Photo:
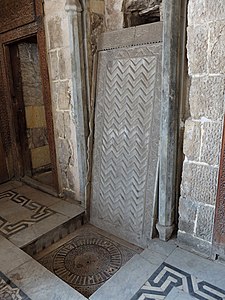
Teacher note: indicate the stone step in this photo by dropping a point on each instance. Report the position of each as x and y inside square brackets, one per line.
[33, 220]
[52, 236]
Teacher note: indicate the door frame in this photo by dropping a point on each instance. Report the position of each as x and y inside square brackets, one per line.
[218, 242]
[36, 28]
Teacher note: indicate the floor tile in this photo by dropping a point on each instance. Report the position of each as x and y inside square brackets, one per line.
[8, 290]
[200, 267]
[164, 248]
[177, 294]
[167, 277]
[67, 209]
[13, 212]
[37, 196]
[154, 258]
[38, 283]
[10, 256]
[18, 212]
[31, 233]
[10, 185]
[124, 284]
[87, 261]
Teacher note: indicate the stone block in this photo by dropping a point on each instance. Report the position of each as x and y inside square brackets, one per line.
[60, 126]
[187, 215]
[194, 244]
[211, 142]
[35, 116]
[67, 124]
[54, 65]
[64, 56]
[54, 95]
[216, 47]
[64, 153]
[30, 73]
[37, 137]
[205, 221]
[199, 183]
[114, 14]
[40, 157]
[64, 95]
[192, 140]
[197, 13]
[55, 32]
[97, 6]
[197, 46]
[52, 7]
[207, 97]
[215, 9]
[63, 125]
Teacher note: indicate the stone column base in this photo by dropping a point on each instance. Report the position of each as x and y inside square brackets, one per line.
[165, 232]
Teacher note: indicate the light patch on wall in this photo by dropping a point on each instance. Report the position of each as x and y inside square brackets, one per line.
[35, 116]
[40, 157]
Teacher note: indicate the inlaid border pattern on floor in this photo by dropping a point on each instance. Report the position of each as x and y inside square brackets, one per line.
[9, 291]
[167, 277]
[41, 212]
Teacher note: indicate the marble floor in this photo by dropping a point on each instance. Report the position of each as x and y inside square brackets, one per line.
[27, 214]
[87, 258]
[108, 268]
[163, 271]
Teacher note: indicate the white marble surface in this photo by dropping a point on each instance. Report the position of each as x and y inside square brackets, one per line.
[154, 258]
[40, 284]
[163, 248]
[36, 195]
[67, 209]
[10, 256]
[28, 235]
[177, 294]
[127, 281]
[200, 267]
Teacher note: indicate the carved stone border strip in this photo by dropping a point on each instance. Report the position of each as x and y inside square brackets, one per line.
[133, 36]
[40, 212]
[8, 290]
[168, 277]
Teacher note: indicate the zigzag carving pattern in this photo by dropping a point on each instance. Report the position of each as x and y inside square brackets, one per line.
[129, 94]
[167, 277]
[40, 212]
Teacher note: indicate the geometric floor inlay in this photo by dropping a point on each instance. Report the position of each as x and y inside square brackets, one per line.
[87, 261]
[167, 277]
[9, 291]
[39, 213]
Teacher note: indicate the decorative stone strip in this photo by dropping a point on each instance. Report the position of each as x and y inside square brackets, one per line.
[8, 290]
[40, 212]
[167, 277]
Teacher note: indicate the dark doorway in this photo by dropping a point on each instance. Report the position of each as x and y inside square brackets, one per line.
[3, 166]
[29, 113]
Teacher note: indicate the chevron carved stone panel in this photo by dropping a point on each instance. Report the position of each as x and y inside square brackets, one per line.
[126, 141]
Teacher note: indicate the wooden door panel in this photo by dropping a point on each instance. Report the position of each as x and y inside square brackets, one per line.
[3, 167]
[14, 13]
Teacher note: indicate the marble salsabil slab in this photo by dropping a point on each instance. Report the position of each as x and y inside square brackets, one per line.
[126, 140]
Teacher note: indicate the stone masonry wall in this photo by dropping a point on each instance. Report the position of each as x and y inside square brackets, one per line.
[203, 129]
[59, 60]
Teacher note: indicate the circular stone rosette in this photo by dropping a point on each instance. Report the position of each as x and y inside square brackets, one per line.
[87, 261]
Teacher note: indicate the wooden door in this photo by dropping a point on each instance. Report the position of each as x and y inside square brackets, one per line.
[3, 167]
